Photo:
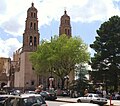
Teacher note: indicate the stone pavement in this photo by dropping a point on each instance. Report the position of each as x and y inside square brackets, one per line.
[74, 100]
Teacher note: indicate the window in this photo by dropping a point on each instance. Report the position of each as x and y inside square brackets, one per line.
[31, 14]
[34, 15]
[65, 21]
[66, 31]
[34, 26]
[90, 96]
[32, 82]
[33, 68]
[31, 25]
[30, 43]
[35, 43]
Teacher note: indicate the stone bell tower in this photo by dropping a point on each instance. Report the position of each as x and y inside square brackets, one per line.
[31, 34]
[26, 76]
[65, 26]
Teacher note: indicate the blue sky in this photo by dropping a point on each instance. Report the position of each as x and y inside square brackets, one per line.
[86, 18]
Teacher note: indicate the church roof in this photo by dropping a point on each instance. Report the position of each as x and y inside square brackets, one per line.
[32, 7]
[65, 15]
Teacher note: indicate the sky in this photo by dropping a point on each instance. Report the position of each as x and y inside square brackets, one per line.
[86, 17]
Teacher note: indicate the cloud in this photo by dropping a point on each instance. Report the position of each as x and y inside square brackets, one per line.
[48, 10]
[13, 15]
[8, 46]
[94, 10]
[11, 26]
[2, 7]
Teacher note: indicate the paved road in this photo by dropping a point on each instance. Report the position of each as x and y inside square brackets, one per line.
[72, 100]
[55, 103]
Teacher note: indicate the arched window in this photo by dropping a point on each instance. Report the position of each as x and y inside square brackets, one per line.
[34, 15]
[35, 43]
[31, 25]
[68, 22]
[66, 31]
[32, 82]
[65, 21]
[34, 26]
[31, 14]
[30, 43]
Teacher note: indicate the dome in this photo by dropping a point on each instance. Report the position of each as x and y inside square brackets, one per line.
[32, 8]
[65, 15]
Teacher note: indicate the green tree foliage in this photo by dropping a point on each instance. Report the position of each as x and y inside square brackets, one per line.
[82, 81]
[107, 48]
[60, 55]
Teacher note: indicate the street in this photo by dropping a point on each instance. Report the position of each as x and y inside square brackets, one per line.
[54, 103]
[64, 100]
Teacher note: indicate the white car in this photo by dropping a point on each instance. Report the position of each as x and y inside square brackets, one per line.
[92, 98]
[25, 100]
[3, 98]
[79, 104]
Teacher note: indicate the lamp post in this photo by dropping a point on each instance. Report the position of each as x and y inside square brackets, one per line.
[66, 81]
[51, 79]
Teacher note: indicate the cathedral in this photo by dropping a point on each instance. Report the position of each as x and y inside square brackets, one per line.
[24, 74]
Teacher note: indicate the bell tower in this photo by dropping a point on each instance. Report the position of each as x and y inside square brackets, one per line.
[31, 34]
[65, 26]
[26, 76]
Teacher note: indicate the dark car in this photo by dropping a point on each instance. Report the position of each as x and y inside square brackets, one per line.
[25, 100]
[65, 93]
[48, 95]
[15, 92]
[2, 93]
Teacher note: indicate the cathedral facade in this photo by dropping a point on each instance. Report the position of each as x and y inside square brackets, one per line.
[25, 76]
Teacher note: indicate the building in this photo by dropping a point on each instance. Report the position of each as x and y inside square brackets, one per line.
[21, 73]
[65, 26]
[4, 72]
[26, 76]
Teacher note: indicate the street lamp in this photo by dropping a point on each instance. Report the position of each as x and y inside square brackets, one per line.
[51, 79]
[67, 81]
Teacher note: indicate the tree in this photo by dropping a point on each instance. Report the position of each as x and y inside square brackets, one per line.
[107, 48]
[59, 56]
[82, 81]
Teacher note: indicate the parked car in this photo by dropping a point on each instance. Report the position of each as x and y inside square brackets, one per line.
[15, 92]
[30, 92]
[2, 93]
[25, 100]
[113, 97]
[65, 93]
[3, 98]
[79, 104]
[48, 95]
[92, 98]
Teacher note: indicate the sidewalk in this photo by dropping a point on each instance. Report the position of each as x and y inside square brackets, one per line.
[74, 100]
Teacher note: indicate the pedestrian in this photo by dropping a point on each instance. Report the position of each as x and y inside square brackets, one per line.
[104, 93]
